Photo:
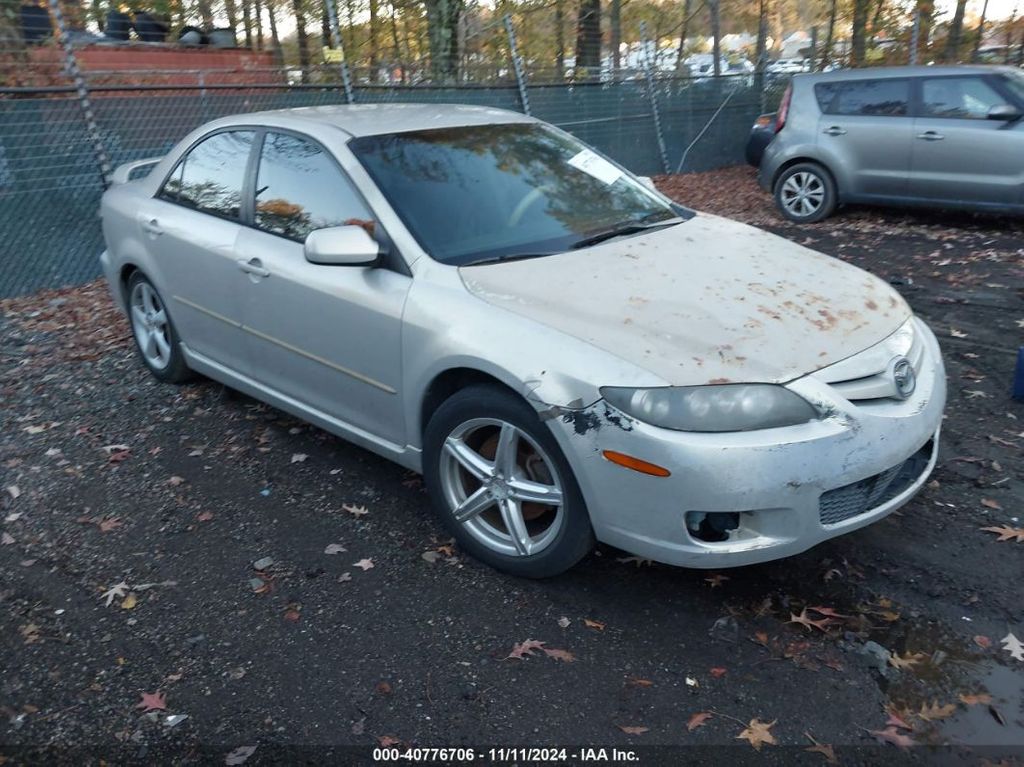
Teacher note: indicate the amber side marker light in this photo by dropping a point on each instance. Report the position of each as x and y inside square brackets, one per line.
[636, 464]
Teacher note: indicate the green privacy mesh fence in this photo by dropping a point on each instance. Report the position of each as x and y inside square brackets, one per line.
[50, 184]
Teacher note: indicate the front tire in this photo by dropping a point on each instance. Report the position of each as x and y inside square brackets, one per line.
[156, 340]
[501, 486]
[805, 193]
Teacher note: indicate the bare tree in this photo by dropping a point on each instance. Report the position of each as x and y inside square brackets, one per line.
[926, 19]
[975, 54]
[615, 27]
[302, 37]
[275, 40]
[761, 52]
[588, 34]
[259, 24]
[858, 36]
[715, 10]
[956, 30]
[443, 36]
[231, 11]
[560, 37]
[826, 54]
[247, 22]
[683, 30]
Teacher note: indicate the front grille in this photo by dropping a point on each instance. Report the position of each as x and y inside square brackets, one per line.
[858, 498]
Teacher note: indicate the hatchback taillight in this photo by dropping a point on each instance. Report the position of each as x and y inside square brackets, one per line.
[780, 120]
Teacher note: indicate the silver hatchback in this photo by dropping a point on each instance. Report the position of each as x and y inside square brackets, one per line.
[949, 137]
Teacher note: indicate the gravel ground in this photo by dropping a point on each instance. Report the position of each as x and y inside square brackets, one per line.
[135, 515]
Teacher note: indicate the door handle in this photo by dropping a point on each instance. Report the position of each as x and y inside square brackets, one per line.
[253, 266]
[835, 130]
[152, 227]
[930, 135]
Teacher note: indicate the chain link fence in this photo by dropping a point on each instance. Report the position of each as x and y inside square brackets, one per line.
[51, 179]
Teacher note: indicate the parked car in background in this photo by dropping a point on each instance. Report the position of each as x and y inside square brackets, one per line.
[761, 134]
[564, 353]
[949, 136]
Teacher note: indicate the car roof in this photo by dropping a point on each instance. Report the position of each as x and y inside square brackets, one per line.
[375, 119]
[908, 71]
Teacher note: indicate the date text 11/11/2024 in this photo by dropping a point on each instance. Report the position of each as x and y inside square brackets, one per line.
[385, 754]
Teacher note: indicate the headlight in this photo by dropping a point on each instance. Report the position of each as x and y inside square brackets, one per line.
[729, 407]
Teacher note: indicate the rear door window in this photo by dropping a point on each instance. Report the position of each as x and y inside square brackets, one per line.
[211, 175]
[873, 98]
[964, 98]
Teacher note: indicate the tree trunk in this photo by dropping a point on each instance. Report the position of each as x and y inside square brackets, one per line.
[981, 33]
[876, 20]
[761, 51]
[615, 27]
[683, 30]
[775, 26]
[275, 40]
[443, 37]
[373, 40]
[588, 35]
[858, 36]
[303, 38]
[396, 46]
[926, 11]
[231, 11]
[826, 56]
[560, 38]
[714, 8]
[259, 25]
[205, 13]
[247, 23]
[956, 29]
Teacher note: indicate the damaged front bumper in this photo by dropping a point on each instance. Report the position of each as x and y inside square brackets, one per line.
[777, 492]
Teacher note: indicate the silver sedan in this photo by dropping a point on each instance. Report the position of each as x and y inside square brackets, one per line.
[565, 354]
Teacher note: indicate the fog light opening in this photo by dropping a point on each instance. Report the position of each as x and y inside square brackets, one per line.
[712, 526]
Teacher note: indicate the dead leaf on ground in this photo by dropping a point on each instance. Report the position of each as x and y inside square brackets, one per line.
[907, 660]
[364, 564]
[805, 621]
[698, 720]
[239, 755]
[1006, 533]
[757, 733]
[591, 624]
[632, 730]
[635, 681]
[386, 741]
[355, 511]
[716, 580]
[563, 655]
[717, 672]
[524, 648]
[934, 712]
[152, 701]
[982, 641]
[820, 748]
[990, 503]
[976, 699]
[638, 561]
[129, 602]
[894, 736]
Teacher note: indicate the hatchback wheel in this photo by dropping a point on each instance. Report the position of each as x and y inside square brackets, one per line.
[805, 193]
[502, 487]
[155, 337]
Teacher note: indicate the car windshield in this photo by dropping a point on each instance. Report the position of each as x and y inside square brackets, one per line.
[496, 192]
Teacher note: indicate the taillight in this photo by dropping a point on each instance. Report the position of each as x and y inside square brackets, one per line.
[780, 120]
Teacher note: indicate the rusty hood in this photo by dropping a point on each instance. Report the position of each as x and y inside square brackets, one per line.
[706, 301]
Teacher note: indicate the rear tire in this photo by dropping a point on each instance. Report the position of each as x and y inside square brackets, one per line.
[489, 459]
[805, 193]
[156, 340]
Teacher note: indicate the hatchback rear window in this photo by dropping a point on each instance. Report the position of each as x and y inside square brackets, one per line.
[885, 98]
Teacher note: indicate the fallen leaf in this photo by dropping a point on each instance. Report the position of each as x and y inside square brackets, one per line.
[820, 748]
[563, 655]
[991, 504]
[292, 615]
[897, 720]
[894, 736]
[718, 672]
[635, 681]
[1007, 533]
[564, 622]
[204, 516]
[175, 481]
[933, 712]
[152, 701]
[364, 564]
[822, 624]
[591, 624]
[334, 548]
[1013, 646]
[118, 590]
[907, 660]
[383, 688]
[129, 602]
[760, 637]
[957, 333]
[106, 525]
[430, 556]
[757, 733]
[828, 612]
[14, 491]
[632, 730]
[638, 561]
[355, 511]
[976, 699]
[6, 538]
[239, 755]
[386, 741]
[525, 648]
[716, 580]
[982, 641]
[299, 457]
[698, 720]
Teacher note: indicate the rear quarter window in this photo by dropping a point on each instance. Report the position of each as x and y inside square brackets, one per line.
[873, 98]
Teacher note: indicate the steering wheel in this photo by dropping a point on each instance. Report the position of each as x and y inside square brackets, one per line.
[528, 199]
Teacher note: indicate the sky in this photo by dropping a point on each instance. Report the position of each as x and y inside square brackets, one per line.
[997, 9]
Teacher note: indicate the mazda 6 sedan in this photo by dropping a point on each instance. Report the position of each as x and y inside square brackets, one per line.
[565, 354]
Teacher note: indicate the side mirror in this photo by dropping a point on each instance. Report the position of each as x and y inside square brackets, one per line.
[341, 246]
[1006, 112]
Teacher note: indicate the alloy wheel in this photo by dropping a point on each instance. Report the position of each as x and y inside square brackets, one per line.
[150, 325]
[502, 487]
[803, 194]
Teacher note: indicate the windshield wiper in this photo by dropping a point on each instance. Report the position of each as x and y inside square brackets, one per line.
[505, 258]
[626, 227]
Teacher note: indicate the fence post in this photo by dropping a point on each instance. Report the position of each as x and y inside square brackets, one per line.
[915, 36]
[649, 80]
[346, 80]
[517, 64]
[71, 64]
